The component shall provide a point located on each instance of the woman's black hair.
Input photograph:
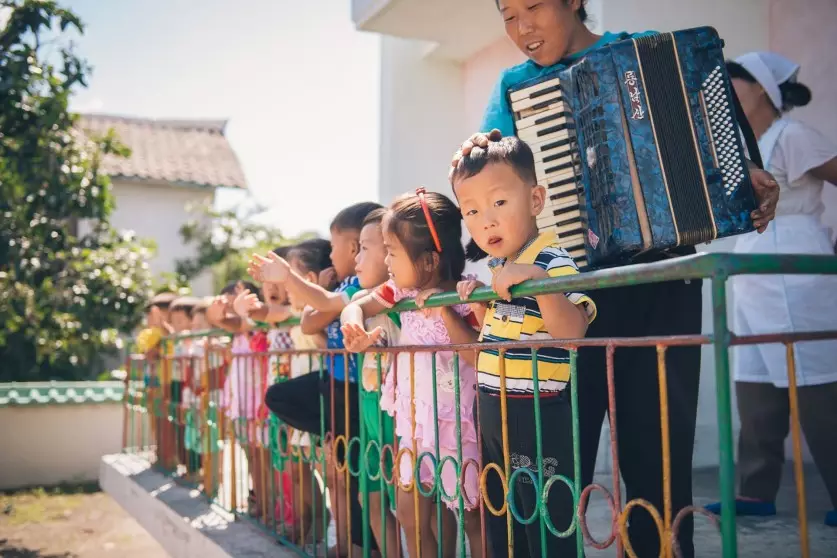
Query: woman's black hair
(581, 11)
(406, 220)
(794, 94)
(314, 254)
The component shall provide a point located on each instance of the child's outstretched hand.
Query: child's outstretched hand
(514, 274)
(356, 339)
(270, 269)
(245, 303)
(422, 297)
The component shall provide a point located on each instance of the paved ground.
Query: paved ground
(79, 524)
(775, 537)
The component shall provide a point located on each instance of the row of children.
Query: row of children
(446, 404)
(469, 410)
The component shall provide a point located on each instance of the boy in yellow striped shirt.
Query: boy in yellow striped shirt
(500, 200)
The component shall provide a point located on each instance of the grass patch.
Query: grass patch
(41, 505)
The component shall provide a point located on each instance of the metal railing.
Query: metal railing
(254, 465)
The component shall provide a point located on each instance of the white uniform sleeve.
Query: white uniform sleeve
(801, 148)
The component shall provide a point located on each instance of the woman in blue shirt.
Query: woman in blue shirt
(553, 34)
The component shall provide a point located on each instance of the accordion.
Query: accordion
(639, 148)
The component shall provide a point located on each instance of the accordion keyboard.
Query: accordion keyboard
(544, 122)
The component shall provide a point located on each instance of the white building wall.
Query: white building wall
(803, 30)
(421, 120)
(156, 212)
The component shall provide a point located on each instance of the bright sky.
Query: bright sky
(299, 86)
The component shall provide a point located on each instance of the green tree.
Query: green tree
(64, 297)
(225, 239)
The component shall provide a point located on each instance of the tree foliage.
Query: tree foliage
(225, 239)
(64, 297)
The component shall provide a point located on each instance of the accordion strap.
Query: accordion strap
(747, 132)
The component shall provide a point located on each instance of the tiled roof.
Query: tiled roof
(57, 393)
(179, 151)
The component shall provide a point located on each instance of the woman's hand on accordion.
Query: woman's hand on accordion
(479, 139)
(766, 190)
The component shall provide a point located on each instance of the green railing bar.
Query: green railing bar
(724, 403)
(698, 266)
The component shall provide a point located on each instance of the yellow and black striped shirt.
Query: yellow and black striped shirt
(520, 320)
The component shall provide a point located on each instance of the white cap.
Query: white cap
(770, 70)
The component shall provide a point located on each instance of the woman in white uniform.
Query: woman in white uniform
(802, 160)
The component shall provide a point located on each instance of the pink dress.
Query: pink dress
(396, 399)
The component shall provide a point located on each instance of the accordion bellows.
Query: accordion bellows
(639, 148)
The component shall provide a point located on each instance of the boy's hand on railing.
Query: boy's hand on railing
(270, 269)
(356, 339)
(514, 274)
(245, 303)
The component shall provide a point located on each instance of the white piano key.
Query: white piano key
(548, 100)
(527, 92)
(535, 120)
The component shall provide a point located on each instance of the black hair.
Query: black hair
(510, 151)
(581, 11)
(406, 220)
(282, 251)
(313, 254)
(233, 285)
(185, 304)
(793, 94)
(375, 217)
(161, 300)
(202, 306)
(351, 218)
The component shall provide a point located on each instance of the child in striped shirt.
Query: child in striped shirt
(500, 200)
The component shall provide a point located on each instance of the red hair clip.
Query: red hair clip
(420, 193)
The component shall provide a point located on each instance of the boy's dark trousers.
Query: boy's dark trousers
(297, 403)
(557, 454)
(661, 309)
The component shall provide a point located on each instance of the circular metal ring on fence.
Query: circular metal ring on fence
(384, 449)
(340, 468)
(440, 484)
(583, 501)
(623, 524)
(356, 441)
(486, 499)
(462, 472)
(396, 466)
(369, 445)
(545, 509)
(510, 499)
(681, 515)
(417, 474)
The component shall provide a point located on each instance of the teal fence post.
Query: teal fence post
(721, 341)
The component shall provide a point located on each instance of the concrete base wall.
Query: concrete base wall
(182, 521)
